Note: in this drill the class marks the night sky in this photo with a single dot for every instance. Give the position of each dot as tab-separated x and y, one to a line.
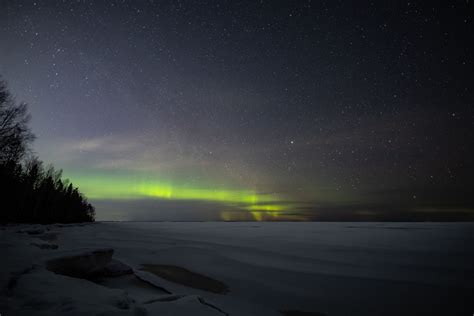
263	110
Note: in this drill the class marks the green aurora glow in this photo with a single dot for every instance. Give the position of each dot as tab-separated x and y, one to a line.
121	187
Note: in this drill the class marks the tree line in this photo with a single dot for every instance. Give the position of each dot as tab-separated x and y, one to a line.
30	192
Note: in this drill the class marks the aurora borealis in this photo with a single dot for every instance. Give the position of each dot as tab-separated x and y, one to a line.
117	188
177	110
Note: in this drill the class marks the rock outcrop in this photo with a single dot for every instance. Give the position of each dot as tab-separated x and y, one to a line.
83	265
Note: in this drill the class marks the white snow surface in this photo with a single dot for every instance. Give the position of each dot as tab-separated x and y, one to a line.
269	267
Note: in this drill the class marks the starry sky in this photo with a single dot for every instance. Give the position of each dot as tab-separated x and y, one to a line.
251	110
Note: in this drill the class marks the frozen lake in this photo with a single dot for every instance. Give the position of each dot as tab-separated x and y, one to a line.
323	268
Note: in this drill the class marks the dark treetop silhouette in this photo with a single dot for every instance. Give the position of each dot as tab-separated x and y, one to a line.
29	192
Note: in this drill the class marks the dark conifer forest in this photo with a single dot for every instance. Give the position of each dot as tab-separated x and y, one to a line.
29	191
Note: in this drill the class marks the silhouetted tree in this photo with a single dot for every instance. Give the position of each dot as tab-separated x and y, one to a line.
15	135
28	191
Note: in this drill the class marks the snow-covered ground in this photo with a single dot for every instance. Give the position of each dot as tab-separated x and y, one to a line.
266	268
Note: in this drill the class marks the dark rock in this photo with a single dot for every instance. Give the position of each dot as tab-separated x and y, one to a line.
82	265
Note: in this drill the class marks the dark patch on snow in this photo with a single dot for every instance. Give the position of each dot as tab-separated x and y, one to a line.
187	278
